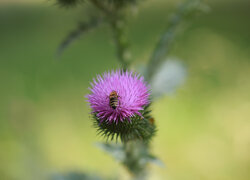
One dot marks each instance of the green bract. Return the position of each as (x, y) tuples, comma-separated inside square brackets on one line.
[(139, 128)]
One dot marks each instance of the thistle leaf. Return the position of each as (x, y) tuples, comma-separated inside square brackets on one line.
[(115, 150), (155, 160), (75, 34)]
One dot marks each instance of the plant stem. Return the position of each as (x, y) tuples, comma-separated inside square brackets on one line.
[(118, 26), (101, 6), (134, 162), (163, 46)]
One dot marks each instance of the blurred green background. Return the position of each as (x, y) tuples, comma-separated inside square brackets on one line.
[(203, 129)]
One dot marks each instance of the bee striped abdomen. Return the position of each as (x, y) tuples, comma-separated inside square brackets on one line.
[(113, 100)]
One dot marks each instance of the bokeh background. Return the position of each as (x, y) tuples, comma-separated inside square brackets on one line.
[(45, 129)]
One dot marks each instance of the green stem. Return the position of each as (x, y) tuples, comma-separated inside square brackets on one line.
[(101, 6), (118, 26), (134, 162), (163, 46)]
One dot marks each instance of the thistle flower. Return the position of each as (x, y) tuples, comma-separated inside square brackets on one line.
[(118, 96), (119, 102)]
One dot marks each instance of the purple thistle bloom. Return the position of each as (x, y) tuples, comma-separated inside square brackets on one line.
[(130, 96)]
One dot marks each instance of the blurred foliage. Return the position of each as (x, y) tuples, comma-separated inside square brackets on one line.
[(183, 12), (169, 77), (69, 3), (74, 35), (75, 176)]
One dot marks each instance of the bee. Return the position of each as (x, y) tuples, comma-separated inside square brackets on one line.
[(152, 120), (113, 99)]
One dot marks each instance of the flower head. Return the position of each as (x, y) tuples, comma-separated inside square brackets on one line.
[(117, 96)]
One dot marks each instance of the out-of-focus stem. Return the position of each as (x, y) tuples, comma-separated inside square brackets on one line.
[(163, 46), (118, 26), (161, 49), (134, 151), (101, 6)]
